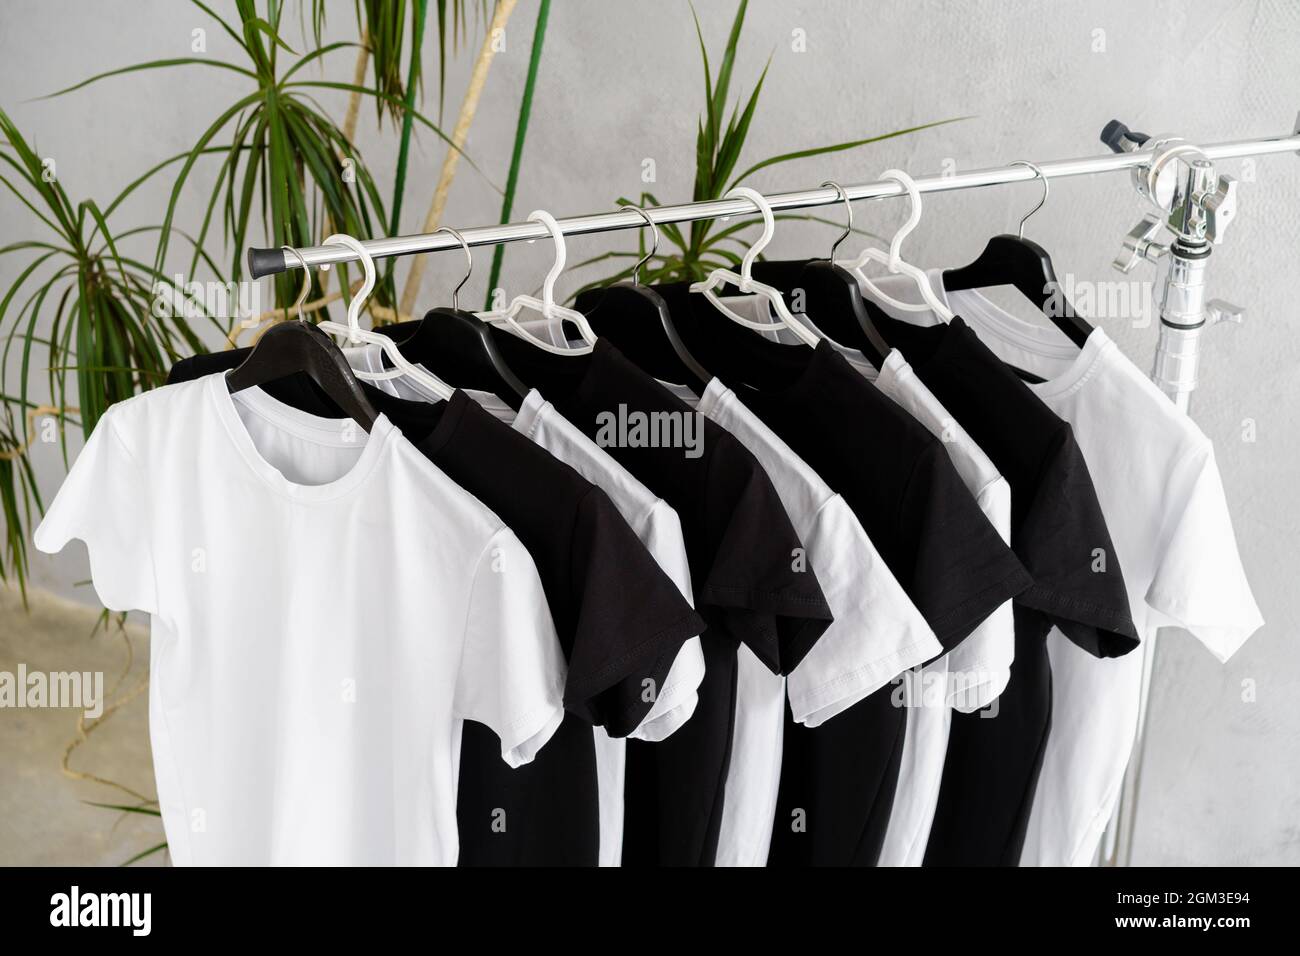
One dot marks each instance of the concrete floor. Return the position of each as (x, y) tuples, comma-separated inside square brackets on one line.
[(46, 816)]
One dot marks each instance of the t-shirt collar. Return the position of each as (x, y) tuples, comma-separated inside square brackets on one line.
[(434, 442), (323, 431), (1031, 338)]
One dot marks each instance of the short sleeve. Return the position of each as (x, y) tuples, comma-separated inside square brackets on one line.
[(1063, 541), (105, 501), (980, 667), (760, 576), (512, 670), (877, 633), (1199, 583), (630, 622), (676, 700), (961, 569)]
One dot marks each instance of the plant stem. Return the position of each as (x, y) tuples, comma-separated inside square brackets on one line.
[(399, 178), (521, 130), (468, 107), (354, 99)]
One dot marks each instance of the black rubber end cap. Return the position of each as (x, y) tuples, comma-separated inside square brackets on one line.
[(1113, 135), (265, 262)]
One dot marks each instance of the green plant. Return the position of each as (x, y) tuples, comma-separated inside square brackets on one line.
[(285, 156), (101, 323), (383, 30), (719, 143)]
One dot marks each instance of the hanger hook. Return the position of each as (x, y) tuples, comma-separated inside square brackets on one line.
[(913, 193), (654, 245), (769, 228), (358, 300), (848, 209), (306, 281), (1020, 233), (561, 255), (469, 263)]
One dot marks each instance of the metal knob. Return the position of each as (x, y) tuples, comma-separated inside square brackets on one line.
[(1220, 208), (1140, 244), (1217, 310)]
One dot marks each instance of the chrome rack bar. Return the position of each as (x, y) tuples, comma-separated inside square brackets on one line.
[(264, 262)]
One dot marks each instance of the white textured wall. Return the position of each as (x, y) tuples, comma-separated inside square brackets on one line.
[(621, 81)]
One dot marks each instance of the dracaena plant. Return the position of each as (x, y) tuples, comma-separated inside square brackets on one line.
[(690, 254), (288, 169), (82, 306)]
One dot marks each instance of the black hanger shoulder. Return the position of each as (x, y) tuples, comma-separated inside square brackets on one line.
[(458, 347), (290, 347), (733, 353), (831, 300), (637, 320), (1025, 265)]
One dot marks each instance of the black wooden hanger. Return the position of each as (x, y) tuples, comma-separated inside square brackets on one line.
[(831, 297), (457, 347), (638, 321), (1025, 265), (298, 346)]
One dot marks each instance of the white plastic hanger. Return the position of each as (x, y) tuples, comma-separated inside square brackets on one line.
[(894, 262), (546, 304), (745, 282), (355, 334)]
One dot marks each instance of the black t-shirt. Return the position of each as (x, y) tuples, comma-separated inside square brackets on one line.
[(619, 617), (740, 546), (1057, 530), (931, 533)]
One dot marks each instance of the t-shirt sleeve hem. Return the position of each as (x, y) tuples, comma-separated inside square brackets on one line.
[(815, 706), (676, 701), (670, 721), (1221, 638), (579, 694), (757, 623), (527, 735), (955, 625), (1101, 631)]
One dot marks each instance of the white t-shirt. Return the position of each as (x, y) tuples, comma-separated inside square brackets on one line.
[(326, 608), (877, 633), (656, 525), (1162, 497)]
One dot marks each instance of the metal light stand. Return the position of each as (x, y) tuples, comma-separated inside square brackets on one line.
[(1196, 206)]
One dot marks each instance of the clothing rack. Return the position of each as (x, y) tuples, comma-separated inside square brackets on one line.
[(270, 261), (1194, 205)]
